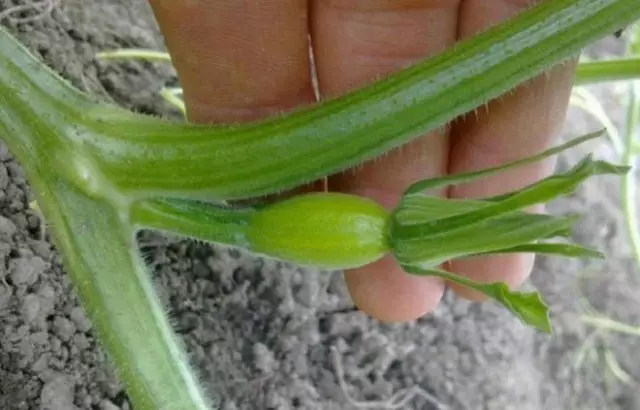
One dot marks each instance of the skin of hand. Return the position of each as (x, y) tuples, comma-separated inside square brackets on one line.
[(241, 60)]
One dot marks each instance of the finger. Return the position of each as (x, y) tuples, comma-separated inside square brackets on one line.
[(238, 60), (356, 42), (519, 124)]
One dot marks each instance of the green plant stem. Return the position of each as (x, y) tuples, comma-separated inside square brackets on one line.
[(141, 156), (364, 124), (101, 257), (629, 181), (42, 122), (593, 72), (628, 184), (37, 108), (602, 322), (194, 219)]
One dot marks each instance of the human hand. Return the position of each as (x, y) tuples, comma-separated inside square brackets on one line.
[(240, 60)]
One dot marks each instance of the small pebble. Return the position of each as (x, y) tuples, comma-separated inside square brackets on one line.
[(57, 394), (17, 198), (5, 155), (16, 172), (201, 270), (30, 307), (33, 222), (7, 227), (263, 358), (5, 296), (41, 248), (47, 299), (25, 271), (5, 249), (81, 341), (108, 405), (4, 177), (79, 319), (40, 338), (42, 363), (64, 328), (25, 252)]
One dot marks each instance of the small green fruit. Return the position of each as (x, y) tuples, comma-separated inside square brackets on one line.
[(327, 230)]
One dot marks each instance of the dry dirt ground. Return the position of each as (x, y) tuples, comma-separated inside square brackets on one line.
[(262, 333)]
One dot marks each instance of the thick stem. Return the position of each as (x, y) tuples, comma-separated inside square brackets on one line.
[(228, 162), (102, 260), (42, 119), (143, 156), (43, 122)]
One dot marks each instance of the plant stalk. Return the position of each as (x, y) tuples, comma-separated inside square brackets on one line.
[(194, 219), (628, 185), (593, 72), (101, 256), (42, 121), (248, 160)]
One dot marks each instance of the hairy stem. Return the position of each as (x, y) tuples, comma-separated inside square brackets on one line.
[(42, 121), (194, 219), (142, 156), (113, 283), (239, 161)]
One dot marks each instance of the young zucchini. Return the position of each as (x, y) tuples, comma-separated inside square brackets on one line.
[(327, 230)]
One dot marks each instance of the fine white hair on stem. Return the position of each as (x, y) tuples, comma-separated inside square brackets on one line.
[(40, 9), (398, 400)]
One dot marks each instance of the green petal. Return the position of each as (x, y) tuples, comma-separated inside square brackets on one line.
[(456, 179), (562, 249), (491, 235), (539, 192)]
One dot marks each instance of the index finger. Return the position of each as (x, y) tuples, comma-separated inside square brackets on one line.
[(238, 60)]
